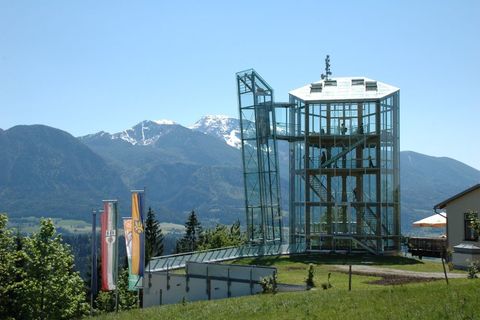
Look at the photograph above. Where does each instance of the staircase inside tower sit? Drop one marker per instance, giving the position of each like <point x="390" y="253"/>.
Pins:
<point x="367" y="228"/>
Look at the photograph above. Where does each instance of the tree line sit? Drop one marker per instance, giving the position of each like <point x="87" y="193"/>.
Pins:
<point x="196" y="238"/>
<point x="39" y="279"/>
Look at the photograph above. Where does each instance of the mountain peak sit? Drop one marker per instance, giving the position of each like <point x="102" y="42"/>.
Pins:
<point x="146" y="132"/>
<point x="95" y="135"/>
<point x="212" y="120"/>
<point x="164" y="121"/>
<point x="221" y="126"/>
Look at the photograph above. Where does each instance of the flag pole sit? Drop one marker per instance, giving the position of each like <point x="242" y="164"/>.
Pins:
<point x="116" y="256"/>
<point x="94" y="260"/>
<point x="144" y="254"/>
<point x="138" y="239"/>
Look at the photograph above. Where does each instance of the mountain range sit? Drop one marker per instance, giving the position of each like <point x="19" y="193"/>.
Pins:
<point x="47" y="172"/>
<point x="182" y="169"/>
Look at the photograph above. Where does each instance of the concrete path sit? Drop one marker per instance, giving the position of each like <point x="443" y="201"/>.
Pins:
<point x="378" y="271"/>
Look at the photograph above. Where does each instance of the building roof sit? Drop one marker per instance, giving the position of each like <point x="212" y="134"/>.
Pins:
<point x="344" y="88"/>
<point x="444" y="203"/>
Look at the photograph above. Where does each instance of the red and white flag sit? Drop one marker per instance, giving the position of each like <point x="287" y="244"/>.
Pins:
<point x="109" y="245"/>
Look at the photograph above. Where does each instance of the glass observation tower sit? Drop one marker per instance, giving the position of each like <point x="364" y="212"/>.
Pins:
<point x="343" y="142"/>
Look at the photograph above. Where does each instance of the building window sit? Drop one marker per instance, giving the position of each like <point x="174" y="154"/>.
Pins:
<point x="470" y="234"/>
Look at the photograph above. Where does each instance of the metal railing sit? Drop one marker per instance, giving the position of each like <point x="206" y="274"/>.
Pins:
<point x="177" y="261"/>
<point x="427" y="247"/>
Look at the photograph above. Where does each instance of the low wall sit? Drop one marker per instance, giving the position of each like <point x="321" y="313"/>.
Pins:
<point x="203" y="281"/>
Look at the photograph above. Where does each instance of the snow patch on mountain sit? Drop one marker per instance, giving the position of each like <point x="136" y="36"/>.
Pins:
<point x="124" y="136"/>
<point x="146" y="132"/>
<point x="165" y="121"/>
<point x="220" y="126"/>
<point x="234" y="140"/>
<point x="99" y="134"/>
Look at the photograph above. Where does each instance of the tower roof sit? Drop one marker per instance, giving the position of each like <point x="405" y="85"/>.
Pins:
<point x="344" y="88"/>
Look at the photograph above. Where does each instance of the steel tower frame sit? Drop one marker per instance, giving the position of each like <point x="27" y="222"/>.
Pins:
<point x="259" y="158"/>
<point x="343" y="169"/>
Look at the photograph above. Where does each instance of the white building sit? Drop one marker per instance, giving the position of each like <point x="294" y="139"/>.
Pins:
<point x="461" y="209"/>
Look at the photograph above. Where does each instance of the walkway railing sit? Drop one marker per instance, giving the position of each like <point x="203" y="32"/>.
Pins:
<point x="177" y="261"/>
<point x="427" y="247"/>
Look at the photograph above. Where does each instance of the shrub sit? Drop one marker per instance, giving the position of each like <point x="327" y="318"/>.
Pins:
<point x="450" y="266"/>
<point x="327" y="285"/>
<point x="269" y="284"/>
<point x="473" y="269"/>
<point x="310" y="275"/>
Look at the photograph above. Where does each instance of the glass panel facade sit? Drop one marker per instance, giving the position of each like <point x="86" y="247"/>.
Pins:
<point x="260" y="161"/>
<point x="344" y="168"/>
<point x="344" y="186"/>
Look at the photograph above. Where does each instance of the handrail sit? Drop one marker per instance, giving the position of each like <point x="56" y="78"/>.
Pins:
<point x="179" y="260"/>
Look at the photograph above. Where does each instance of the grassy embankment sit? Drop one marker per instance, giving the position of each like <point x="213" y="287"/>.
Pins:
<point x="421" y="300"/>
<point x="293" y="269"/>
<point x="433" y="300"/>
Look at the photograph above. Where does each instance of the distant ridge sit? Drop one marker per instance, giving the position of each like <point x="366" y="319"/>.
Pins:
<point x="46" y="171"/>
<point x="427" y="180"/>
<point x="183" y="169"/>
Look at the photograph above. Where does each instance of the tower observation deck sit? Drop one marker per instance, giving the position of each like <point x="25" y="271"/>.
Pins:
<point x="344" y="188"/>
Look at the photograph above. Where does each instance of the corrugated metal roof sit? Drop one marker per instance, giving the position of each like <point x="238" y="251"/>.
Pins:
<point x="346" y="88"/>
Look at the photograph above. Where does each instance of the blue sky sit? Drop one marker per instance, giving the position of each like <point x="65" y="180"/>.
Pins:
<point x="86" y="66"/>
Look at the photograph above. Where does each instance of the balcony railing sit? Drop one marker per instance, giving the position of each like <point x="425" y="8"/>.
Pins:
<point x="427" y="247"/>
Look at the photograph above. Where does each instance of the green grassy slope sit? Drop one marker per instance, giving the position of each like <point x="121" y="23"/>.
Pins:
<point x="293" y="269"/>
<point x="419" y="300"/>
<point x="433" y="300"/>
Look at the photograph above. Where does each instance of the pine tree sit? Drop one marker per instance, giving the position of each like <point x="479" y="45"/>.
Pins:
<point x="153" y="237"/>
<point x="193" y="234"/>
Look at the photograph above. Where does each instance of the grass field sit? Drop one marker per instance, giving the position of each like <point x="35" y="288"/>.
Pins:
<point x="418" y="300"/>
<point x="32" y="224"/>
<point x="432" y="300"/>
<point x="294" y="269"/>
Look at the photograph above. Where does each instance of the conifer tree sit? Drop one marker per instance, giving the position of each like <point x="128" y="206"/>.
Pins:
<point x="193" y="234"/>
<point x="153" y="237"/>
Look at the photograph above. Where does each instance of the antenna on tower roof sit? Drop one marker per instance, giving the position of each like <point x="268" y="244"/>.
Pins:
<point x="328" y="72"/>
